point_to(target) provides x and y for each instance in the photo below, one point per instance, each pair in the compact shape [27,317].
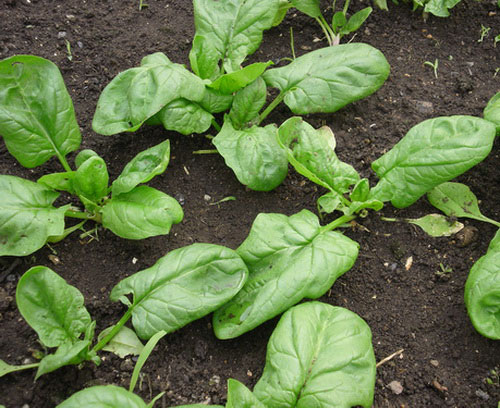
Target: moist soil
[414,306]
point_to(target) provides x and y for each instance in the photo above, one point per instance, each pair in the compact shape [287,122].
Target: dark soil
[445,362]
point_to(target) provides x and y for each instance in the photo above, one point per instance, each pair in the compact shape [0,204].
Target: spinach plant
[227,32]
[438,8]
[184,285]
[37,122]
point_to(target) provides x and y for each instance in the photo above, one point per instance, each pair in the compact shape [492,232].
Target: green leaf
[440,8]
[437,225]
[309,7]
[6,368]
[289,258]
[312,153]
[215,102]
[432,152]
[58,181]
[37,118]
[283,7]
[229,83]
[361,190]
[53,239]
[492,111]
[53,308]
[124,343]
[83,156]
[327,79]
[91,180]
[381,4]
[183,286]
[456,200]
[482,292]
[247,103]
[103,396]
[142,168]
[146,351]
[329,202]
[253,154]
[27,217]
[239,396]
[338,21]
[185,117]
[70,353]
[356,20]
[318,356]
[137,94]
[228,31]
[141,213]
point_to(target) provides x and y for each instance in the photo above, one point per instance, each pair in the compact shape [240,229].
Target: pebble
[395,387]
[435,363]
[180,198]
[61,34]
[483,395]
[207,198]
[80,44]
[424,107]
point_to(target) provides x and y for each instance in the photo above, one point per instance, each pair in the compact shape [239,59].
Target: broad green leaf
[183,286]
[37,118]
[312,153]
[338,21]
[142,168]
[283,6]
[329,202]
[230,30]
[356,20]
[247,103]
[83,156]
[141,213]
[357,206]
[440,8]
[67,354]
[327,79]
[27,217]
[482,292]
[360,191]
[103,396]
[215,102]
[437,225]
[229,83]
[239,396]
[124,343]
[90,181]
[289,258]
[253,154]
[53,308]
[58,181]
[319,356]
[137,94]
[185,117]
[492,111]
[432,152]
[309,7]
[456,200]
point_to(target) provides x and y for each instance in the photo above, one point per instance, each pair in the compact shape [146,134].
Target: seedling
[142,5]
[68,51]
[444,270]
[494,378]
[484,33]
[434,66]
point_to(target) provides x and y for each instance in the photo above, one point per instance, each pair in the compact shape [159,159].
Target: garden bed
[416,307]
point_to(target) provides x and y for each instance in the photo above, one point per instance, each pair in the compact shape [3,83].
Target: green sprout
[434,66]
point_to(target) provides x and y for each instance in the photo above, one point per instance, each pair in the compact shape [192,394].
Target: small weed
[68,50]
[434,66]
[484,33]
[445,270]
[142,5]
[493,378]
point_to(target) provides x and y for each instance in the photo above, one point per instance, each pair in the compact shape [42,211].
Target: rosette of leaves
[37,122]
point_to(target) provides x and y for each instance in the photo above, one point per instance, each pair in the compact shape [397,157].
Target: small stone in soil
[207,198]
[435,363]
[395,387]
[483,395]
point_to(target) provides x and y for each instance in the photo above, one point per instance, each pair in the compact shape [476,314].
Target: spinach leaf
[103,396]
[492,111]
[90,181]
[309,7]
[137,94]
[440,8]
[58,181]
[27,217]
[289,258]
[228,31]
[312,153]
[253,154]
[318,356]
[215,102]
[142,168]
[83,156]
[239,396]
[70,353]
[283,7]
[432,152]
[141,213]
[482,292]
[183,286]
[247,103]
[327,79]
[124,343]
[229,83]
[437,225]
[185,117]
[37,118]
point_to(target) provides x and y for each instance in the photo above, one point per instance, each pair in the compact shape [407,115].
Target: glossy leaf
[356,21]
[141,213]
[283,6]
[103,396]
[137,94]
[482,292]
[309,7]
[37,118]
[27,217]
[319,356]
[338,21]
[227,32]
[123,344]
[329,202]
[437,225]
[289,258]
[215,102]
[183,286]
[253,154]
[247,103]
[312,153]
[58,181]
[90,181]
[239,396]
[69,353]
[142,168]
[432,152]
[83,156]
[440,8]
[457,200]
[327,79]
[53,308]
[234,81]
[185,117]
[492,111]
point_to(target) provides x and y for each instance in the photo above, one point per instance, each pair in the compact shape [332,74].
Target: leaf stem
[271,107]
[216,125]
[207,151]
[337,223]
[80,215]
[116,328]
[64,162]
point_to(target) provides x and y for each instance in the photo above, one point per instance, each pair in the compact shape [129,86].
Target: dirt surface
[418,309]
